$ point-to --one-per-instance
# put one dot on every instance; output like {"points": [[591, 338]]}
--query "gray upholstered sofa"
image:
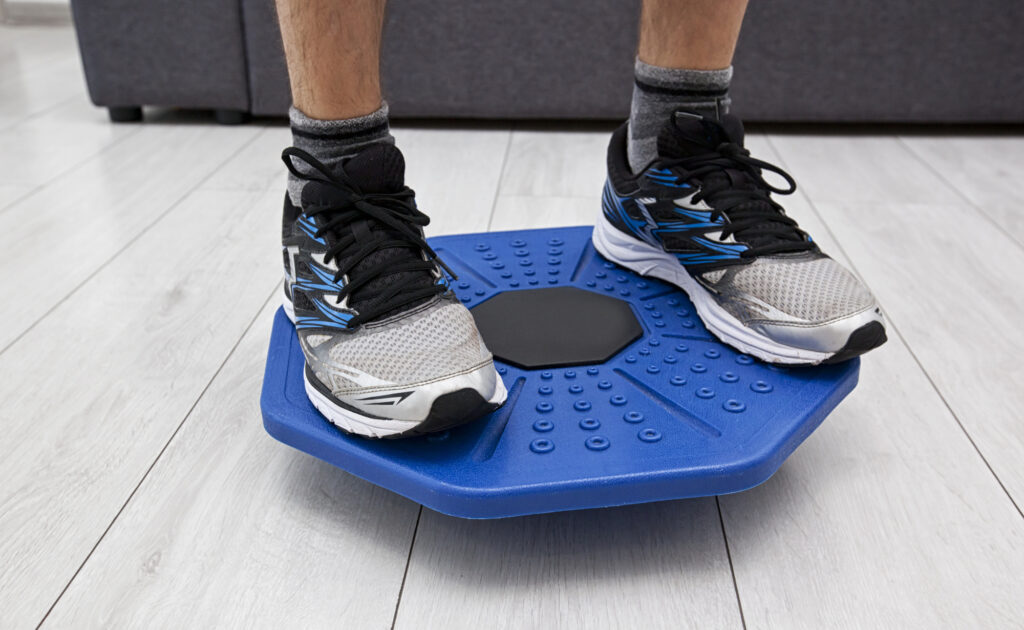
{"points": [[798, 60]]}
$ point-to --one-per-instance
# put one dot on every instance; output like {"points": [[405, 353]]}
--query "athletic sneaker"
{"points": [[701, 217], [390, 351]]}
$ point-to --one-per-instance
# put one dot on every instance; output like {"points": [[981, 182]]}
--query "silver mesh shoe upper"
{"points": [[806, 288], [430, 342]]}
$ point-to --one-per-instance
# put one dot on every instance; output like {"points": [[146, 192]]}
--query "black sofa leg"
{"points": [[230, 116], [125, 114]]}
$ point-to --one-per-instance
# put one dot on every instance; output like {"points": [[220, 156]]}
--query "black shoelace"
{"points": [[753, 216], [397, 211]]}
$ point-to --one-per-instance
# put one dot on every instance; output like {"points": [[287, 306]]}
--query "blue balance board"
{"points": [[670, 413]]}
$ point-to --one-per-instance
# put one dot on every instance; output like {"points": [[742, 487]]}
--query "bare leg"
{"points": [[333, 52], [692, 34]]}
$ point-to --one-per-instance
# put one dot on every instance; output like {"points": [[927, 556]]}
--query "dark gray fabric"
{"points": [[515, 58], [881, 61], [268, 73], [800, 60], [486, 59], [163, 52]]}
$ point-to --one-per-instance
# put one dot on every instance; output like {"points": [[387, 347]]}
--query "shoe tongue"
{"points": [[688, 133], [379, 168]]}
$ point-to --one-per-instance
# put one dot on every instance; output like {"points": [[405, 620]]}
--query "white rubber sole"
{"points": [[289, 308], [483, 380], [647, 260]]}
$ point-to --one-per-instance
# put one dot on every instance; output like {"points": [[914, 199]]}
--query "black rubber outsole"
{"points": [[449, 411], [867, 337]]}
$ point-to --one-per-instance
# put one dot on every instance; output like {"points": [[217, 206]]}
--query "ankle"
{"points": [[658, 92], [331, 141]]}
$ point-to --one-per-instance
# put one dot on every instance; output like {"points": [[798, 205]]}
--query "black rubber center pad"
{"points": [[555, 327]]}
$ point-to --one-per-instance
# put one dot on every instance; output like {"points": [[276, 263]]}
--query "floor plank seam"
{"points": [[408, 561], [895, 329], [21, 121], [145, 475], [814, 208], [173, 206], [207, 185], [501, 175], [25, 195], [956, 418], [70, 169], [959, 193], [732, 570]]}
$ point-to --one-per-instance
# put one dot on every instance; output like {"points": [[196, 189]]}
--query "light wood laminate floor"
{"points": [[138, 489]]}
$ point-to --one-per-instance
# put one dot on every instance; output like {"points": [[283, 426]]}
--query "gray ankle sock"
{"points": [[332, 140], [657, 92]]}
